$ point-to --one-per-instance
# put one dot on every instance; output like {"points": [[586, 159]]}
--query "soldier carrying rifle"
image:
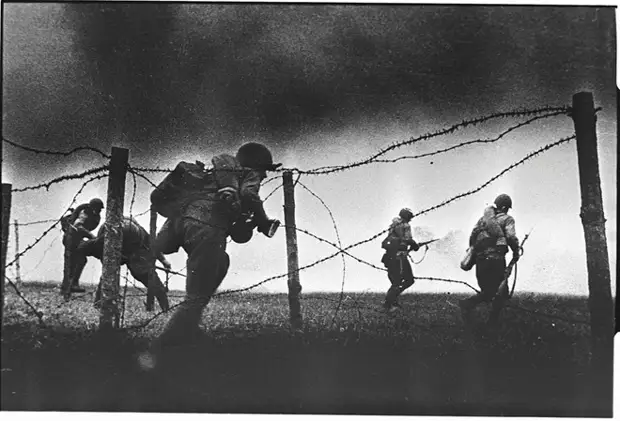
{"points": [[397, 245]]}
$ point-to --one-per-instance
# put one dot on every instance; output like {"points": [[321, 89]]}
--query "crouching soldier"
{"points": [[490, 239], [397, 245], [76, 227], [136, 254], [201, 207]]}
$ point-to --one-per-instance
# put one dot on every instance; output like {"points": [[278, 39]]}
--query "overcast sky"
{"points": [[320, 85]]}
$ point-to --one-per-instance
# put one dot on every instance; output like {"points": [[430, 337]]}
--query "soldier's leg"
{"points": [[167, 239], [207, 266], [407, 275], [67, 241], [139, 269], [79, 261], [496, 276], [394, 275]]}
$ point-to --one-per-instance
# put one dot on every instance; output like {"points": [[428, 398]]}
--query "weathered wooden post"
{"points": [[6, 218], [150, 298], [113, 240], [593, 220], [18, 277], [294, 286]]}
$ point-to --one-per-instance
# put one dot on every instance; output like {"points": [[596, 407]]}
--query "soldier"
{"points": [[136, 254], [397, 246], [202, 207], [490, 239], [77, 226]]}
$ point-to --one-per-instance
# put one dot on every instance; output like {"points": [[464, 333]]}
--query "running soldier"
{"points": [[201, 207], [136, 254], [397, 246], [76, 227], [490, 239]]}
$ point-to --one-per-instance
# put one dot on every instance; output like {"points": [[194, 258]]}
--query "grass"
{"points": [[422, 360]]}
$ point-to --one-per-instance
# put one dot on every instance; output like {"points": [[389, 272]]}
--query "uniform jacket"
{"points": [[400, 233], [494, 233]]}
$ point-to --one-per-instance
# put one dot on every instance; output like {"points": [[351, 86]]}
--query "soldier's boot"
{"points": [[391, 298], [76, 273], [162, 299]]}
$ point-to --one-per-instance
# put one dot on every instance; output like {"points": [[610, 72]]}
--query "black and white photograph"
{"points": [[331, 209]]}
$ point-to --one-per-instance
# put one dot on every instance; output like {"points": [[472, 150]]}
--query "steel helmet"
{"points": [[96, 203], [256, 156], [405, 213], [503, 201]]}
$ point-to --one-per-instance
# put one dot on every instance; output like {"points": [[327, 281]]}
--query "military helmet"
{"points": [[96, 203], [405, 213], [256, 156], [503, 201]]}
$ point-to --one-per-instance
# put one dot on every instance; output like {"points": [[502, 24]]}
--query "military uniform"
{"points": [[491, 239], [76, 227], [201, 226], [135, 253], [397, 244]]}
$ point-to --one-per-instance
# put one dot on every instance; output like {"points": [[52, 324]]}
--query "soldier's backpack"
{"points": [[186, 180]]}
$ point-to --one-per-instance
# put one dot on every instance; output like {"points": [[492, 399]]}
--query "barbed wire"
{"points": [[76, 176], [42, 258], [465, 123], [48, 230], [25, 224], [344, 263], [471, 142], [372, 238], [272, 192], [48, 152], [37, 313]]}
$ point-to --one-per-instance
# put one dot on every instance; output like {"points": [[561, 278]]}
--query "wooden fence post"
{"points": [[18, 277], [113, 240], [593, 221], [294, 286], [6, 218], [150, 298]]}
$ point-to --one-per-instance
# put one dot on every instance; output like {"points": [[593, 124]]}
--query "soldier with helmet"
{"points": [[397, 245], [201, 207], [76, 227], [491, 238]]}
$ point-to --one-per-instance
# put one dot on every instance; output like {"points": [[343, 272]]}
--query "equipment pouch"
{"points": [[170, 195]]}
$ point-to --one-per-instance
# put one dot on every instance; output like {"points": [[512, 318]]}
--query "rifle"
{"points": [[425, 243], [504, 285]]}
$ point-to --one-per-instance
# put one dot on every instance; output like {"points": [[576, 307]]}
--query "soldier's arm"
{"points": [[160, 256], [250, 197], [226, 173], [511, 235], [408, 237], [79, 226], [474, 233]]}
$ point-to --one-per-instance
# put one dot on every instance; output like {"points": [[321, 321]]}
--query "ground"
{"points": [[421, 360]]}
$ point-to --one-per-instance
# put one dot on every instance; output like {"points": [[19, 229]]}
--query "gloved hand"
{"points": [[270, 229], [167, 265], [515, 256]]}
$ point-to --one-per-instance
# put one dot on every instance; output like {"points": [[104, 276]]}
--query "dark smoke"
{"points": [[221, 71]]}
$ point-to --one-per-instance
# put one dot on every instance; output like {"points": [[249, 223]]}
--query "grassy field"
{"points": [[422, 360]]}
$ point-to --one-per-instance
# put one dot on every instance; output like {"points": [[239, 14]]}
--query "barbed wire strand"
{"points": [[449, 130], [444, 203], [470, 142], [62, 178], [37, 313], [20, 254], [25, 224], [339, 242], [48, 152]]}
